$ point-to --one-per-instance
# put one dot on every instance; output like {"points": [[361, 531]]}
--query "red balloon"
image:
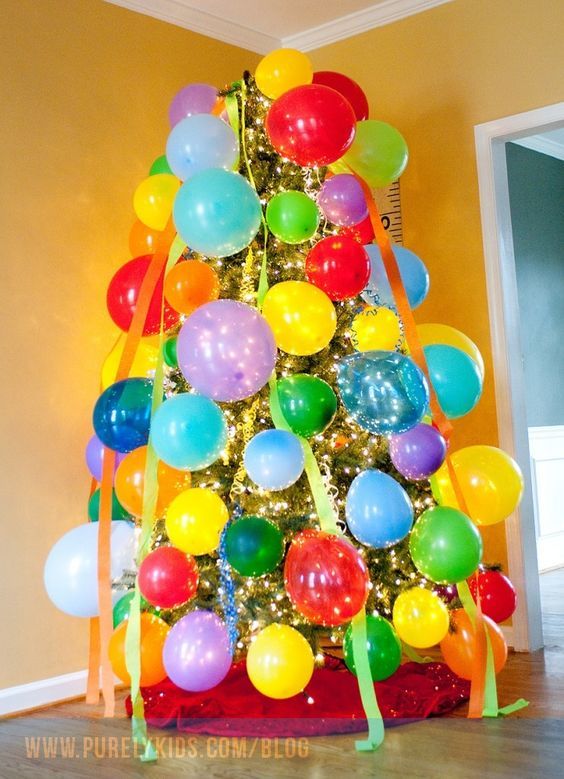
{"points": [[348, 89], [168, 577], [363, 232], [123, 294], [339, 266], [311, 125], [325, 577], [497, 594]]}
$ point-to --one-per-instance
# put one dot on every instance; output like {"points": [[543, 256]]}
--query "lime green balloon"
{"points": [[383, 645], [292, 217], [169, 352], [160, 165], [308, 403], [123, 606], [378, 153], [445, 545], [253, 546], [118, 511]]}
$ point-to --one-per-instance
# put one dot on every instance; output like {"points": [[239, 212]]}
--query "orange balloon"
{"points": [[458, 644], [129, 482], [143, 239], [153, 634], [190, 284]]}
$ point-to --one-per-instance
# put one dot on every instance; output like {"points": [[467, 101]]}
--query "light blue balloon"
{"points": [[200, 142], [455, 377], [413, 273], [274, 459], [384, 392], [71, 569], [217, 213], [378, 510], [188, 432]]}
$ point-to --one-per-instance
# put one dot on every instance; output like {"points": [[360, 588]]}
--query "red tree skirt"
{"points": [[330, 703]]}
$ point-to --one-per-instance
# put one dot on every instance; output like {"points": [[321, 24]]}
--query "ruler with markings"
{"points": [[389, 206]]}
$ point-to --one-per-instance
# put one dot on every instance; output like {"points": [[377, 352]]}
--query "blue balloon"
{"points": [[122, 414], [378, 509], [413, 273], [384, 392], [217, 212], [189, 432], [274, 459], [200, 142], [455, 377]]}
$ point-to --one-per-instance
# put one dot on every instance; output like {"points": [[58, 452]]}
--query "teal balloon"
{"points": [[455, 377], [160, 165], [169, 352], [253, 546], [122, 414], [383, 645], [123, 606], [118, 511], [217, 212], [308, 404]]}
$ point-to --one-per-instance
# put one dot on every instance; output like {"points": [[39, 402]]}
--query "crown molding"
{"points": [[543, 145]]}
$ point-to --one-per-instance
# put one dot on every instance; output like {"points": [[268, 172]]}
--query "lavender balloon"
{"points": [[197, 653], [418, 452], [193, 99], [226, 350], [95, 455], [342, 200]]}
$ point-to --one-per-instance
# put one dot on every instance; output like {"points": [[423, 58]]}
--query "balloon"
{"points": [[326, 577], [311, 125], [200, 142], [455, 378], [169, 352], [363, 232], [192, 99], [418, 452], [414, 276], [160, 165], [279, 661], [497, 595], [274, 459], [143, 239], [348, 88], [384, 392], [122, 414], [292, 217], [378, 153], [153, 634], [189, 432], [195, 519], [188, 285], [445, 546], [118, 511], [376, 328], [253, 546], [446, 592], [71, 568], [383, 645], [197, 654], [301, 316], [167, 577], [458, 645], [490, 480], [123, 607], [341, 199], [339, 266], [378, 509], [307, 402], [281, 70], [123, 296], [226, 350], [217, 212], [420, 617], [444, 334], [95, 457], [144, 362], [153, 199]]}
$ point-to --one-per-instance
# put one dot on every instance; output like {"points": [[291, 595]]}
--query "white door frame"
{"points": [[503, 306]]}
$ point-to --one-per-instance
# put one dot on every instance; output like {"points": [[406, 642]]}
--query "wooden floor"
{"points": [[526, 745]]}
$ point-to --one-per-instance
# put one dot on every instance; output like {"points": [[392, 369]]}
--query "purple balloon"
{"points": [[95, 455], [226, 350], [193, 99], [197, 654], [342, 200], [446, 592], [418, 452]]}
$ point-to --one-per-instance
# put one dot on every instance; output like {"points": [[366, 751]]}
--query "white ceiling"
{"points": [[550, 142]]}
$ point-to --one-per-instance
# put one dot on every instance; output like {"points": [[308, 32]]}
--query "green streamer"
{"points": [[233, 116], [414, 656], [366, 686]]}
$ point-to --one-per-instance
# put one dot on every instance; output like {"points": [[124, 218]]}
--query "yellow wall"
{"points": [[84, 112]]}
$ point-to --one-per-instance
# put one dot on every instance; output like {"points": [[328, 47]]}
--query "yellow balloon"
{"points": [[377, 327], [489, 479], [302, 317], [144, 362], [445, 334], [281, 70], [420, 617], [195, 519], [153, 199], [279, 661]]}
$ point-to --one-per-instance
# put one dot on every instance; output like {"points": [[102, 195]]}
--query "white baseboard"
{"points": [[42, 693]]}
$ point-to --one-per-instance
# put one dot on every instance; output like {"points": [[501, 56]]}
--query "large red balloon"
{"points": [[168, 577], [497, 595], [363, 232], [325, 577], [123, 294], [339, 266], [347, 87], [311, 125]]}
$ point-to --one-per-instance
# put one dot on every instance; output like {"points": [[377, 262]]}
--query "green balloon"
{"points": [[445, 545], [384, 648], [169, 352], [292, 217], [253, 546], [122, 607], [308, 403], [160, 165], [118, 511], [378, 153]]}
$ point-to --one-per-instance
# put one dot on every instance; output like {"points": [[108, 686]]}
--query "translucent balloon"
{"points": [[378, 153], [279, 661], [419, 452], [378, 509], [144, 363], [274, 459], [197, 654], [292, 217], [339, 266], [376, 328], [342, 201], [95, 457], [307, 402], [420, 617], [160, 165], [347, 87], [458, 646], [200, 142], [445, 334], [455, 378], [122, 414], [130, 482], [195, 519], [281, 70], [301, 316], [414, 276], [153, 199], [168, 577], [118, 511], [192, 99], [188, 285], [253, 546], [153, 634], [383, 645]]}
